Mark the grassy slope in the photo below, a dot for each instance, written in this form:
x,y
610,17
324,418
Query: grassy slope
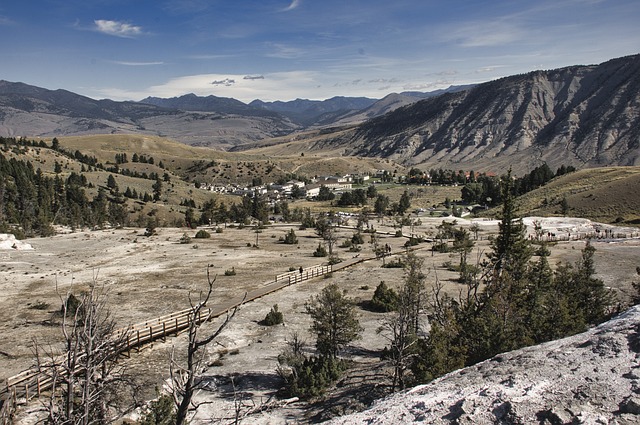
x,y
602,194
607,195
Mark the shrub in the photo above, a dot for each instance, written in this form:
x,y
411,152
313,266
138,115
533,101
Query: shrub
x,y
217,363
290,238
185,239
203,234
320,251
346,243
357,239
413,241
334,259
309,377
160,412
394,264
39,305
442,247
219,229
384,299
72,305
273,317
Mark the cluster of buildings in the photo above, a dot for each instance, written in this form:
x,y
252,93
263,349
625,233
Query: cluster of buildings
x,y
292,188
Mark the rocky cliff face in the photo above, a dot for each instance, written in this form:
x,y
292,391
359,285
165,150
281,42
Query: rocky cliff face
x,y
580,115
591,378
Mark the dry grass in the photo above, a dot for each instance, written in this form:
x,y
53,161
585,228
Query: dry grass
x,y
607,195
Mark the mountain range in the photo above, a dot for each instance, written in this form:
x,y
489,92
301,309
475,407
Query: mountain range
x,y
580,115
212,121
585,116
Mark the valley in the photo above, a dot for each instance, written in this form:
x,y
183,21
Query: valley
x,y
147,277
142,199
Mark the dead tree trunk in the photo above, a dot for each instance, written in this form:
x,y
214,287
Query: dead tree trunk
x,y
184,378
87,382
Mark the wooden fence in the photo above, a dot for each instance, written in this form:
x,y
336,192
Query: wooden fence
x,y
301,274
31,383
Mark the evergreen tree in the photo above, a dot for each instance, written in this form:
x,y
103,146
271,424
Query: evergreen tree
x,y
334,320
189,218
381,205
592,297
511,250
111,182
157,190
372,192
384,299
291,238
405,203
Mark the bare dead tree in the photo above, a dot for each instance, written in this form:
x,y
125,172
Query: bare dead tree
x,y
185,380
88,384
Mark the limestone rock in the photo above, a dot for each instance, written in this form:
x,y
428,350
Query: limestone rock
x,y
590,378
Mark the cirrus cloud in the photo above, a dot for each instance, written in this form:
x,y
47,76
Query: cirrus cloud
x,y
117,29
294,4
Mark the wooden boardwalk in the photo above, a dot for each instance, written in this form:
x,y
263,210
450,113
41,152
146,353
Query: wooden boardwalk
x,y
31,383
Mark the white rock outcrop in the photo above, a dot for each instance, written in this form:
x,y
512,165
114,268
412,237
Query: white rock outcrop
x,y
9,241
589,378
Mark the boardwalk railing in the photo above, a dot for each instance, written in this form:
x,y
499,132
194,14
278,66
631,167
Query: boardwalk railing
x,y
31,383
296,276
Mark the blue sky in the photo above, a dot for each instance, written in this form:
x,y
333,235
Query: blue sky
x,y
312,49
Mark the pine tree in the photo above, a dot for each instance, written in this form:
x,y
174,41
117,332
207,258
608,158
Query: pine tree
x,y
511,251
334,320
405,203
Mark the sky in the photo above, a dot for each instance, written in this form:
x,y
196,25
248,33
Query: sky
x,y
309,49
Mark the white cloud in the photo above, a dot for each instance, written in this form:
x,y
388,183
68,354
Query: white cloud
x,y
118,29
294,4
485,34
489,68
275,86
209,57
283,86
282,51
125,63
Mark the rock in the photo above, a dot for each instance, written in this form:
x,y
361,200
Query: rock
x,y
575,380
9,241
631,404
